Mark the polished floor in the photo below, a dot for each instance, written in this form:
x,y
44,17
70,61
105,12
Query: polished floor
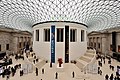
x,y
65,74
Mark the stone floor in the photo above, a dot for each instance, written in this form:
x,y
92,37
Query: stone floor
x,y
65,74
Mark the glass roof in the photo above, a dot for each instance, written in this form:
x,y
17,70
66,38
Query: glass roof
x,y
96,14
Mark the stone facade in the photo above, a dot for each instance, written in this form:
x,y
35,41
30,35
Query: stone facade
x,y
12,40
102,40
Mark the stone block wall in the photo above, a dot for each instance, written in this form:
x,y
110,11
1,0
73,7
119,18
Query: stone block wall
x,y
14,38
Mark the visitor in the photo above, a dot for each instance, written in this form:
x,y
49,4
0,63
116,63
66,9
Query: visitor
x,y
21,72
36,71
100,72
43,71
101,59
56,75
112,68
50,64
109,61
104,61
106,77
37,60
111,77
117,74
34,57
73,74
34,61
118,78
7,77
115,78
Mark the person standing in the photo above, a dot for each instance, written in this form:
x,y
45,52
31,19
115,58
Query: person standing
x,y
36,71
50,64
100,72
112,68
43,71
56,75
106,77
111,77
73,74
104,61
34,61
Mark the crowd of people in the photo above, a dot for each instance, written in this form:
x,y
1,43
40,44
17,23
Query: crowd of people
x,y
101,60
10,70
7,69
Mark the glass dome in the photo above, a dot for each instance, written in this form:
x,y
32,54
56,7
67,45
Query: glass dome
x,y
96,14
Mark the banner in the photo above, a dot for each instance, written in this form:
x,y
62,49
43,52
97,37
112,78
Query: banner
x,y
53,44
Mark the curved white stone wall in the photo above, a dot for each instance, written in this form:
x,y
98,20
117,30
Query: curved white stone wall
x,y
43,49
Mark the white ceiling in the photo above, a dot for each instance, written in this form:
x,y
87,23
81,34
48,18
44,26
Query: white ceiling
x,y
96,14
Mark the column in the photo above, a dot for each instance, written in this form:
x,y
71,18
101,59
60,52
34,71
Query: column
x,y
97,44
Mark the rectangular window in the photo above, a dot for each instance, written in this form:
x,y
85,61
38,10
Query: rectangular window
x,y
7,46
82,35
46,35
73,35
37,35
0,47
60,34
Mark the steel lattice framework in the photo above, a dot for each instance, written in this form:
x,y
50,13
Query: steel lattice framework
x,y
96,14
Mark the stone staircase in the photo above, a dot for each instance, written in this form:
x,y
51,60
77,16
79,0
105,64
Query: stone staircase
x,y
89,55
85,59
80,63
41,62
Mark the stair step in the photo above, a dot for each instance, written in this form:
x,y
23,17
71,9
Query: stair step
x,y
40,64
89,55
82,61
85,59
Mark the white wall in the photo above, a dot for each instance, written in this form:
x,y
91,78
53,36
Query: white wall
x,y
43,49
78,48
